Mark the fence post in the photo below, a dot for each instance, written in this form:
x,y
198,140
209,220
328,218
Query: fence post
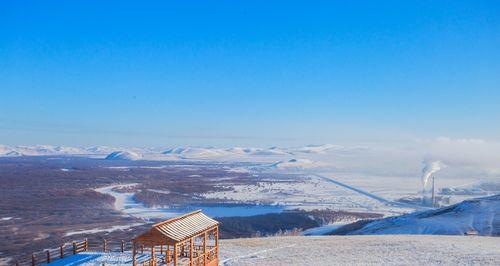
x,y
61,251
142,249
48,256
104,245
86,244
123,246
33,259
74,248
134,254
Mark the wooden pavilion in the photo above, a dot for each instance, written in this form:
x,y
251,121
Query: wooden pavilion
x,y
191,239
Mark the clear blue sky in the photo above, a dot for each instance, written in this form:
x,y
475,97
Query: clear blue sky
x,y
151,73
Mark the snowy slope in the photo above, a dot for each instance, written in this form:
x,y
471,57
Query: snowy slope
x,y
218,153
257,151
315,148
481,215
361,250
196,153
333,250
124,155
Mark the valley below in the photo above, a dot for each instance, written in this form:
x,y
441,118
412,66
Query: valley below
x,y
49,200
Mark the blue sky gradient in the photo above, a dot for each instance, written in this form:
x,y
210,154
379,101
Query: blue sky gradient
x,y
136,73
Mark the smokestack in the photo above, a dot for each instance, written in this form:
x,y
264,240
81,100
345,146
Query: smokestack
x,y
430,167
433,194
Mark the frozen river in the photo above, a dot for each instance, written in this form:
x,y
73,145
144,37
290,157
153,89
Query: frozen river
x,y
125,203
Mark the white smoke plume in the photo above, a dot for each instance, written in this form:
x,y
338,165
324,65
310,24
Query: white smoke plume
x,y
430,167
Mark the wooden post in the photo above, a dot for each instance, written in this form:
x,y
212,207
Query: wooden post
x,y
61,251
191,246
104,245
161,249
74,248
86,244
142,249
123,246
48,256
134,254
216,241
205,248
153,254
168,254
175,254
33,259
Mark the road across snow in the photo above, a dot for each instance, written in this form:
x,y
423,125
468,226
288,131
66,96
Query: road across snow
x,y
362,250
370,195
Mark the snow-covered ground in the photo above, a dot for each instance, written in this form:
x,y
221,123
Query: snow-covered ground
x,y
103,229
325,229
362,250
481,215
335,250
311,192
98,258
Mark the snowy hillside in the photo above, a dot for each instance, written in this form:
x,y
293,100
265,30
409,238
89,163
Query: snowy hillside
x,y
333,250
123,155
196,153
315,148
481,215
361,250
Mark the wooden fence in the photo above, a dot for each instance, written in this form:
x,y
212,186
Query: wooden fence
x,y
49,255
65,250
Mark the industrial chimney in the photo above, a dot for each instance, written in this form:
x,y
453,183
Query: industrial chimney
x,y
433,202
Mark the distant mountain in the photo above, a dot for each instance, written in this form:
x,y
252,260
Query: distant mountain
x,y
99,150
123,155
13,154
41,150
208,153
179,153
196,153
258,151
315,148
481,216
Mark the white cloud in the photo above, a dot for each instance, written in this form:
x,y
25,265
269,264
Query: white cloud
x,y
478,154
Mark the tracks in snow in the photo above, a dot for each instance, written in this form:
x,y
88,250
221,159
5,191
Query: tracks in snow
x,y
365,193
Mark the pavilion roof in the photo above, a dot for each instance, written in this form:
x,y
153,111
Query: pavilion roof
x,y
180,228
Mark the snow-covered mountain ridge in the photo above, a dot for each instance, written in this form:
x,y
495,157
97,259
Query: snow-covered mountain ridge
x,y
271,154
